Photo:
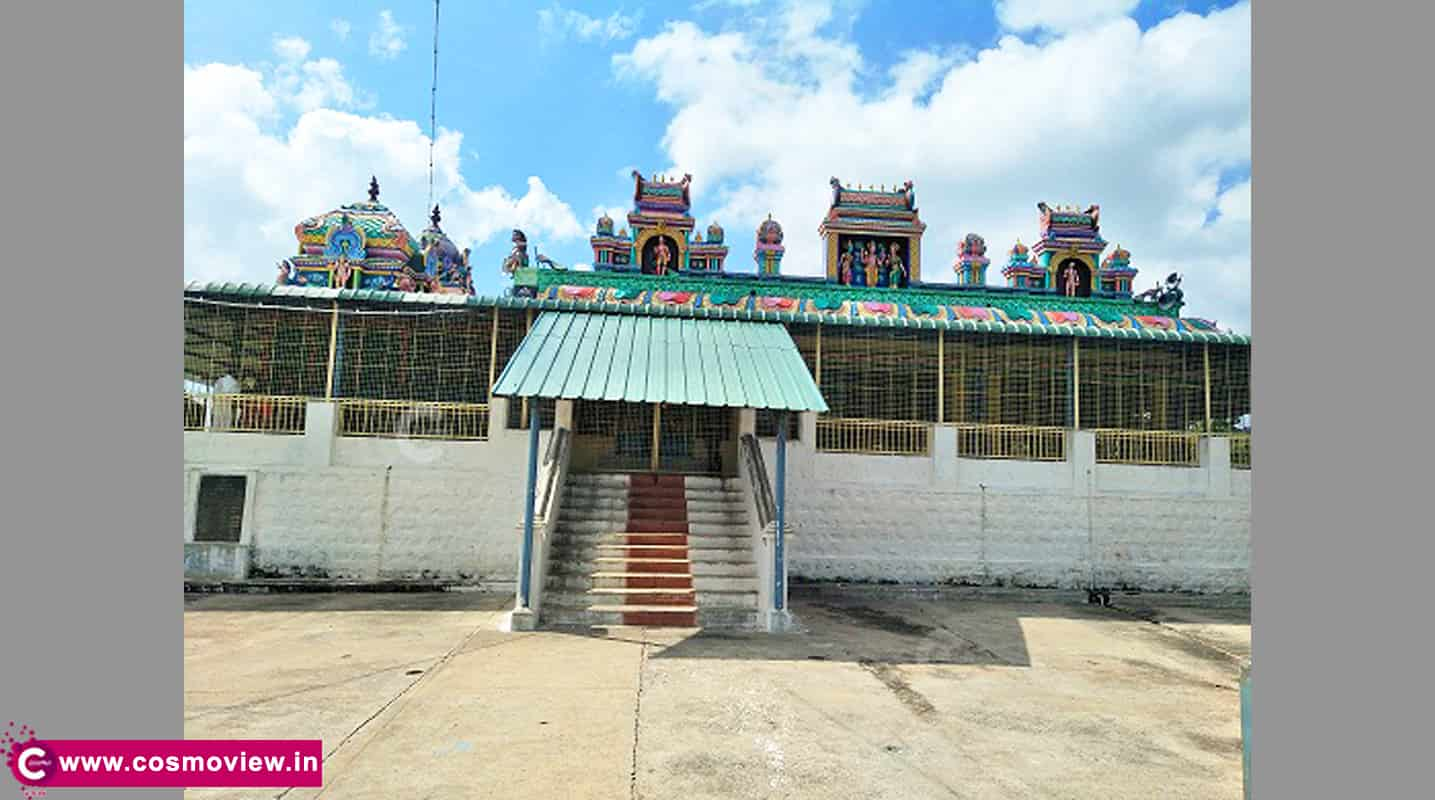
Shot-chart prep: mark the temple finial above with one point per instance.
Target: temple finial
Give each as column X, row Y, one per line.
column 435, row 216
column 373, row 189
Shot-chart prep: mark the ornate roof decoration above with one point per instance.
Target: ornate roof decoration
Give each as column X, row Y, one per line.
column 445, row 267
column 361, row 243
column 769, row 232
column 660, row 196
column 972, row 261
column 1067, row 228
column 605, row 226
column 715, row 234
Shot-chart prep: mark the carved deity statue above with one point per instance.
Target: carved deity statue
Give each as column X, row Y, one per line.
column 284, row 270
column 342, row 271
column 844, row 267
column 894, row 260
column 1070, row 280
column 662, row 256
column 518, row 258
column 869, row 262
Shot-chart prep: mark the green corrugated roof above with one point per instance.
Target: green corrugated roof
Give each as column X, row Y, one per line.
column 677, row 360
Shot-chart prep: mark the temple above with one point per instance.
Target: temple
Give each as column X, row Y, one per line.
column 668, row 439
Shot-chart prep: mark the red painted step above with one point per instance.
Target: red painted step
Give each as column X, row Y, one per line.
column 656, row 538
column 658, row 582
column 675, row 619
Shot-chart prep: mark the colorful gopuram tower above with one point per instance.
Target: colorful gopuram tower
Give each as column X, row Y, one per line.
column 1068, row 248
column 873, row 237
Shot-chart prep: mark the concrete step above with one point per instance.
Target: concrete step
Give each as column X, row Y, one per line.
column 730, row 618
column 710, row 482
column 680, row 566
column 623, row 595
column 656, row 526
column 572, row 552
column 735, row 541
column 617, row 579
column 612, row 481
column 728, row 569
column 618, row 614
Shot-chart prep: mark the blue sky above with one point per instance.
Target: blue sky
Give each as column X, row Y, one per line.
column 544, row 108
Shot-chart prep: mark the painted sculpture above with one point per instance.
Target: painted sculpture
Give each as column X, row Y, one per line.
column 880, row 230
column 664, row 239
column 517, row 258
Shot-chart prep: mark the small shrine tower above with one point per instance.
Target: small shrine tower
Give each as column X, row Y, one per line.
column 662, row 239
column 1020, row 272
column 768, row 250
column 1069, row 245
column 972, row 261
column 873, row 237
column 1116, row 273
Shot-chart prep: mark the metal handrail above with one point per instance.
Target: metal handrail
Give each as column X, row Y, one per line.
column 761, row 488
column 554, row 456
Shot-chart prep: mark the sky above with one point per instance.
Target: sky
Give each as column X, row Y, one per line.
column 544, row 109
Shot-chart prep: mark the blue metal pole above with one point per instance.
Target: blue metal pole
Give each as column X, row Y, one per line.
column 777, row 566
column 526, row 566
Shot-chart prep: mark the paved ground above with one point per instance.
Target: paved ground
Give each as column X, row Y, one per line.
column 885, row 695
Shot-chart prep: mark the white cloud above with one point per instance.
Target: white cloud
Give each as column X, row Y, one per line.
column 341, row 28
column 1059, row 15
column 250, row 176
column 387, row 41
column 316, row 84
column 557, row 22
column 1143, row 123
column 291, row 48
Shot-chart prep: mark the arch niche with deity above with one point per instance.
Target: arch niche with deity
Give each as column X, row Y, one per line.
column 1071, row 275
column 660, row 252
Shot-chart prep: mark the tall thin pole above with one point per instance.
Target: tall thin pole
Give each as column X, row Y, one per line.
column 1206, row 367
column 653, row 461
column 818, row 376
column 433, row 101
column 941, row 376
column 526, row 563
column 1075, row 382
column 779, row 589
column 333, row 349
column 493, row 354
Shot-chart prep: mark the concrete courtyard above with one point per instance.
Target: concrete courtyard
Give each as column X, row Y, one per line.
column 887, row 693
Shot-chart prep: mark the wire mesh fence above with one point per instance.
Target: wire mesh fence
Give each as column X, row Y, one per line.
column 428, row 372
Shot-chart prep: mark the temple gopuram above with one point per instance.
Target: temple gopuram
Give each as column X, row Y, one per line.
column 664, row 439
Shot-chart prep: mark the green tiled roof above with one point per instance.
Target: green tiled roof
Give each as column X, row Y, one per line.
column 825, row 307
column 644, row 359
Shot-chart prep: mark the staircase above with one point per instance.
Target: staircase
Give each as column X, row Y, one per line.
column 653, row 550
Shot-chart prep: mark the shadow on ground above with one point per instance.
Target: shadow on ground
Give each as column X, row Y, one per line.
column 348, row 601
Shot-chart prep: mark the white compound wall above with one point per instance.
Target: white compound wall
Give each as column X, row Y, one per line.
column 324, row 506
column 1070, row 524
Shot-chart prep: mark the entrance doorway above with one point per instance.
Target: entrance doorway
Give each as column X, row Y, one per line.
column 652, row 438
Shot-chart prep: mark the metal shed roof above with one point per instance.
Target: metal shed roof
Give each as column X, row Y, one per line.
column 641, row 359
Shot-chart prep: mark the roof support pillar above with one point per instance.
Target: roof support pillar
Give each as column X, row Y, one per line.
column 779, row 565
column 525, row 566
